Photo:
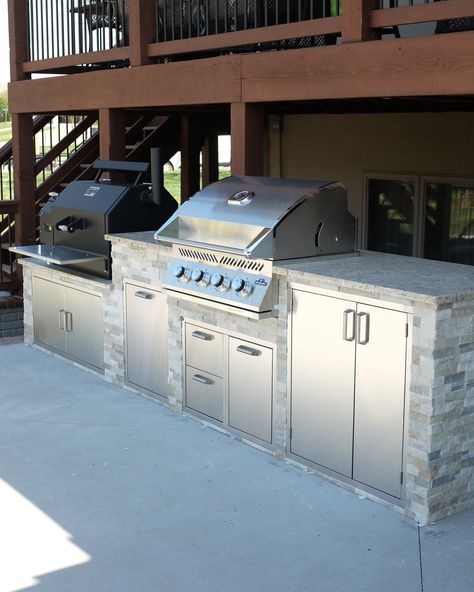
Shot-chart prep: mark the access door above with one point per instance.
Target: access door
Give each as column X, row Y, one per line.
column 379, row 397
column 322, row 380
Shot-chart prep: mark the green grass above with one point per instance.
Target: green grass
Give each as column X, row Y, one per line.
column 173, row 182
column 5, row 131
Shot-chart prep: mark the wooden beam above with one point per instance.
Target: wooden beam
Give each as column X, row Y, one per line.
column 190, row 155
column 247, row 132
column 23, row 147
column 325, row 26
column 356, row 20
column 18, row 34
column 90, row 57
column 142, row 31
column 205, row 81
column 210, row 158
column 421, row 13
column 417, row 66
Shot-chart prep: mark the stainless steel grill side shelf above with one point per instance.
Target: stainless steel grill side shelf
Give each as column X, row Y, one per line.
column 57, row 255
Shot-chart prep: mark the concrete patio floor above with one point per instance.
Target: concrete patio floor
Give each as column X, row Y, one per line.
column 104, row 491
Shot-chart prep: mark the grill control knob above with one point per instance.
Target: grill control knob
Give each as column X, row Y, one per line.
column 217, row 279
column 197, row 275
column 238, row 284
column 178, row 271
column 242, row 287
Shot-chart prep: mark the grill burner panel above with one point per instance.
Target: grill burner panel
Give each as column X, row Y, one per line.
column 245, row 285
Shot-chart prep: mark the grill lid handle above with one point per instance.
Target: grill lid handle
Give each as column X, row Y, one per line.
column 123, row 166
column 71, row 224
column 241, row 198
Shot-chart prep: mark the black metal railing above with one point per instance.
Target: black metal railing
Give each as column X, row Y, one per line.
column 186, row 19
column 58, row 140
column 59, row 28
column 8, row 213
column 398, row 3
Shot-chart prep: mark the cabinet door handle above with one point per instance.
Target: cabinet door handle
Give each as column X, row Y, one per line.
column 363, row 333
column 68, row 321
column 202, row 379
column 144, row 295
column 202, row 335
column 250, row 351
column 62, row 313
column 346, row 324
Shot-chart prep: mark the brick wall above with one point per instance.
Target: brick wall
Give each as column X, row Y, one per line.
column 11, row 316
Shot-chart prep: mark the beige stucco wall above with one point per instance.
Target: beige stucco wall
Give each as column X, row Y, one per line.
column 344, row 147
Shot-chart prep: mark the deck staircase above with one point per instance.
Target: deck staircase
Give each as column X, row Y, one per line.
column 66, row 148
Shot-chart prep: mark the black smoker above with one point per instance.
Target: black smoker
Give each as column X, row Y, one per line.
column 73, row 224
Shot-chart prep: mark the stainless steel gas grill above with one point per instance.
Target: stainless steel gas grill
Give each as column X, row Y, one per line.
column 226, row 236
column 73, row 224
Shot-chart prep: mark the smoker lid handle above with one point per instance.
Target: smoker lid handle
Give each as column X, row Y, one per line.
column 120, row 165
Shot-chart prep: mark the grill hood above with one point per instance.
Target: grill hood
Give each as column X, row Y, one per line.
column 265, row 218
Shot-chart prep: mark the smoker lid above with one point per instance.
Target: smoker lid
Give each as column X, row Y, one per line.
column 236, row 212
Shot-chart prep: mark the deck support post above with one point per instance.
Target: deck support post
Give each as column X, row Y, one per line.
column 18, row 34
column 356, row 21
column 142, row 31
column 190, row 156
column 210, row 158
column 23, row 151
column 247, row 125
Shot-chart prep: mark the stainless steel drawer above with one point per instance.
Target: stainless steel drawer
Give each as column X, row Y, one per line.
column 205, row 350
column 204, row 393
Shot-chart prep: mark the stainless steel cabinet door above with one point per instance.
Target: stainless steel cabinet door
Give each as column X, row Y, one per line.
column 322, row 380
column 204, row 393
column 49, row 313
column 147, row 339
column 250, row 388
column 379, row 401
column 83, row 327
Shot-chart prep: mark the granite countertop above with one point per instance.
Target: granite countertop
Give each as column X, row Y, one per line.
column 417, row 279
column 136, row 237
column 371, row 273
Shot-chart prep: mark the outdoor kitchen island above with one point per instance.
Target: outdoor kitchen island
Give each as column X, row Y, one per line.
column 366, row 374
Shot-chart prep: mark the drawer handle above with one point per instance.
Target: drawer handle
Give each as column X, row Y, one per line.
column 250, row 351
column 202, row 379
column 144, row 295
column 202, row 335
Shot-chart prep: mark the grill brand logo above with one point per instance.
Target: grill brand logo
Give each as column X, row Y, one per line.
column 261, row 282
column 91, row 191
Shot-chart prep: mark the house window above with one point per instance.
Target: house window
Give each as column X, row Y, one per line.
column 449, row 221
column 391, row 215
column 421, row 216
